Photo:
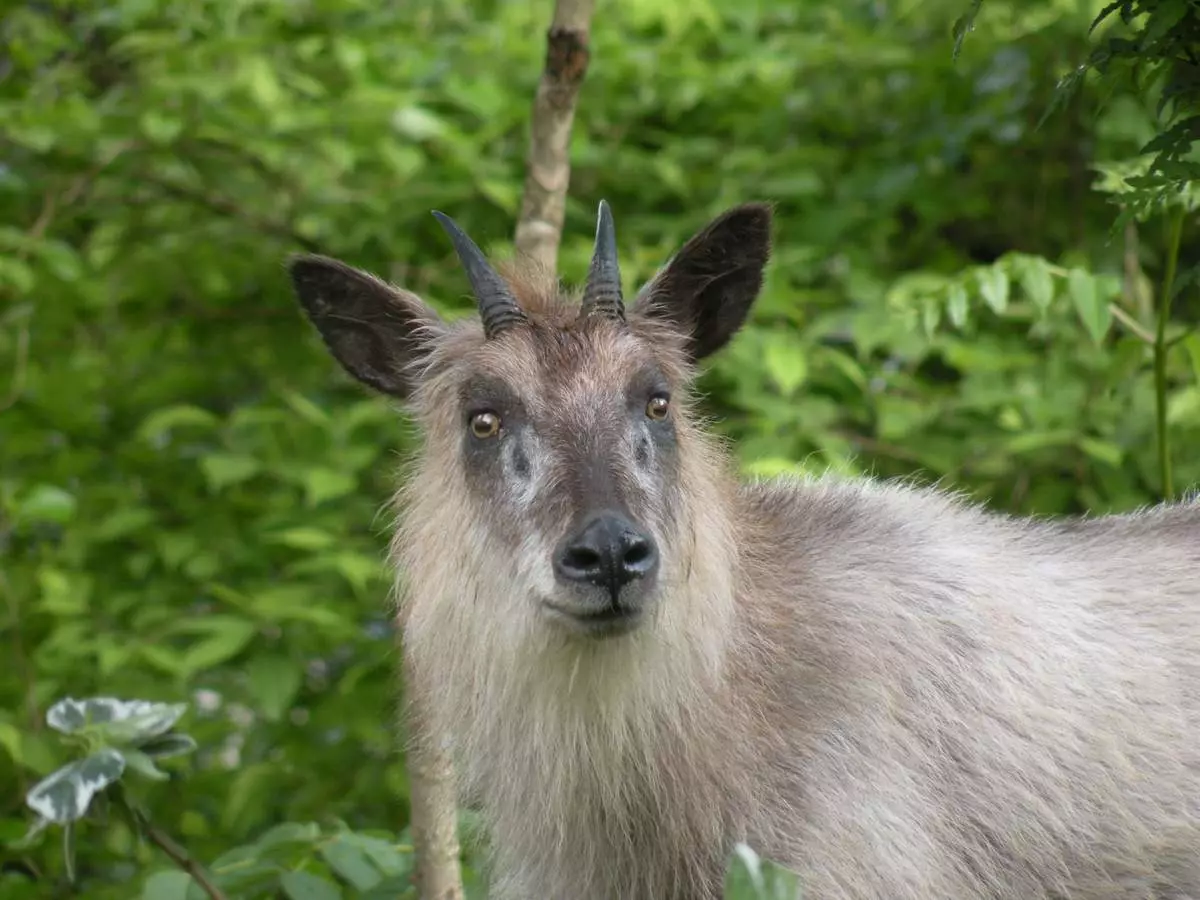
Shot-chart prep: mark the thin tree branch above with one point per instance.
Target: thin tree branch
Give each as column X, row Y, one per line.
column 548, row 167
column 181, row 858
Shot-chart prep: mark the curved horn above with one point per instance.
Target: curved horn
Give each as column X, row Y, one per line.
column 497, row 306
column 602, row 294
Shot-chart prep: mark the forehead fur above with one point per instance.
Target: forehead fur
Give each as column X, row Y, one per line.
column 554, row 346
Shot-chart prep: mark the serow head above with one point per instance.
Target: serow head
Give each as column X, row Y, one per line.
column 558, row 442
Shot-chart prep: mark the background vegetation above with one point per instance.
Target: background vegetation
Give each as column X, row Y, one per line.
column 191, row 493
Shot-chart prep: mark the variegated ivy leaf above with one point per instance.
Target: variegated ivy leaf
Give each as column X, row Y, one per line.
column 64, row 796
column 116, row 720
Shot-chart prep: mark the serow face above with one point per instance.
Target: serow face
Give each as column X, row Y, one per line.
column 566, row 420
column 570, row 453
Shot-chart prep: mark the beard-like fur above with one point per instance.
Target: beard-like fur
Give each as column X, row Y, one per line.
column 556, row 736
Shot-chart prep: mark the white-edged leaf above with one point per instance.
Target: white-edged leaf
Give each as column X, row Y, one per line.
column 65, row 795
column 117, row 720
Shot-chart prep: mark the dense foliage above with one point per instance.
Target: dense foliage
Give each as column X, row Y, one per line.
column 192, row 495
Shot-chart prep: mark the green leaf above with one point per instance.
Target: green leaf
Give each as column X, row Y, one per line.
column 396, row 887
column 417, row 123
column 305, row 886
column 962, row 25
column 168, row 745
column 227, row 636
column 47, row 503
column 289, row 833
column 994, row 287
column 956, row 305
column 1036, row 282
column 1102, row 451
column 169, row 885
column 751, row 878
column 322, row 484
column 1092, row 308
column 304, row 538
column 162, row 421
column 65, row 795
column 1191, row 344
column 931, row 316
column 351, row 863
column 160, row 128
column 143, row 764
column 274, row 680
column 222, row 470
column 785, row 362
column 386, row 855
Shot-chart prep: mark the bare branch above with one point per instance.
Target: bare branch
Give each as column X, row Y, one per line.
column 548, row 167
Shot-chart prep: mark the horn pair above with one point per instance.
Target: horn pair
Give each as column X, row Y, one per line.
column 498, row 306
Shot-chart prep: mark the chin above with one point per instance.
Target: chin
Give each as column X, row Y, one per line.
column 592, row 621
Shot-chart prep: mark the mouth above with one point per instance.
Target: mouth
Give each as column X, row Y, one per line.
column 608, row 622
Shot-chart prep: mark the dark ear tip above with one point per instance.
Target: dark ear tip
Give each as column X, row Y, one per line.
column 758, row 212
column 304, row 263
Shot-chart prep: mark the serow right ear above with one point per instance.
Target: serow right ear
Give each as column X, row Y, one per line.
column 377, row 332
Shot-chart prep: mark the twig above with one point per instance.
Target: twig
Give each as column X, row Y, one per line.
column 1131, row 323
column 1160, row 354
column 548, row 166
column 181, row 858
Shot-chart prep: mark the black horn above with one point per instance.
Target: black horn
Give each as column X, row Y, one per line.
column 497, row 306
column 602, row 294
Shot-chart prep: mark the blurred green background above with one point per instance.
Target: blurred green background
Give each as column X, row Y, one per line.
column 192, row 493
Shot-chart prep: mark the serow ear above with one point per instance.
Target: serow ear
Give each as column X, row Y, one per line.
column 708, row 287
column 377, row 332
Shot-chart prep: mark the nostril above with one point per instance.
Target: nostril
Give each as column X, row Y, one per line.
column 638, row 552
column 638, row 556
column 581, row 558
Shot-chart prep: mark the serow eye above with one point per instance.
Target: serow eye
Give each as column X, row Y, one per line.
column 485, row 425
column 658, row 406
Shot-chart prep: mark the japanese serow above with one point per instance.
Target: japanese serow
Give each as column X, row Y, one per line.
column 641, row 660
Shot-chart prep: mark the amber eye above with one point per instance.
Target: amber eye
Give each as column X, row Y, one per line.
column 658, row 406
column 485, row 425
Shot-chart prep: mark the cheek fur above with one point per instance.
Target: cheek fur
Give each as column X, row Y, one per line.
column 523, row 468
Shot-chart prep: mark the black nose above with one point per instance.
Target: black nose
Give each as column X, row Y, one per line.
column 609, row 551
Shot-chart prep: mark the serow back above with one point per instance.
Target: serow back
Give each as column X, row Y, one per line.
column 640, row 659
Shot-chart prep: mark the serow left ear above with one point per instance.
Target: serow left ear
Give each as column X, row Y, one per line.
column 708, row 287
column 377, row 332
